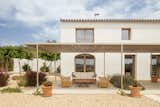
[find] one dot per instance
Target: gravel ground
(105, 100)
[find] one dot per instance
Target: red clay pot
(154, 79)
(135, 91)
(47, 91)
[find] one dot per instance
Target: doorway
(130, 65)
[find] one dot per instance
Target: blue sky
(23, 21)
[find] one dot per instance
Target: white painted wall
(105, 32)
(67, 64)
(111, 31)
(112, 64)
(33, 64)
(143, 69)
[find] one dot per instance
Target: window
(126, 33)
(85, 63)
(84, 35)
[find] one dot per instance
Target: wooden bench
(84, 77)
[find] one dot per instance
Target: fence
(53, 65)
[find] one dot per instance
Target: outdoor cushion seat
(84, 75)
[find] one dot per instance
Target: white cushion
(84, 75)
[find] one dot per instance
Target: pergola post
(37, 67)
(55, 56)
(122, 66)
(104, 64)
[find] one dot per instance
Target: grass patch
(17, 77)
(11, 90)
(22, 82)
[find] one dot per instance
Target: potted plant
(47, 89)
(135, 90)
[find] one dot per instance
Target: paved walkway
(89, 91)
(154, 97)
(151, 85)
(98, 100)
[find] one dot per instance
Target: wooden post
(104, 64)
(55, 56)
(37, 67)
(121, 66)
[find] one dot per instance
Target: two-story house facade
(103, 31)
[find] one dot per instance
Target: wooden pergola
(96, 47)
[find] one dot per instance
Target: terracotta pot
(47, 91)
(135, 91)
(154, 79)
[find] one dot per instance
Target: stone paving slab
(154, 97)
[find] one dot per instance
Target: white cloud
(8, 43)
(47, 33)
(38, 13)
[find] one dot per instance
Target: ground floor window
(130, 65)
(84, 63)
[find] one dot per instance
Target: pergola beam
(127, 48)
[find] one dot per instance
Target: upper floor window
(84, 35)
(126, 33)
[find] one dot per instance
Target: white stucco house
(137, 64)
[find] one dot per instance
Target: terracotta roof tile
(111, 20)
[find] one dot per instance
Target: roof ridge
(109, 20)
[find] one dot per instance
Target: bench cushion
(84, 75)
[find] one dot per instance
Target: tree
(29, 57)
(1, 58)
(7, 53)
(50, 57)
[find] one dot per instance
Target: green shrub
(3, 79)
(47, 83)
(44, 68)
(22, 82)
(10, 65)
(11, 90)
(58, 69)
(26, 67)
(31, 78)
(17, 77)
(127, 80)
